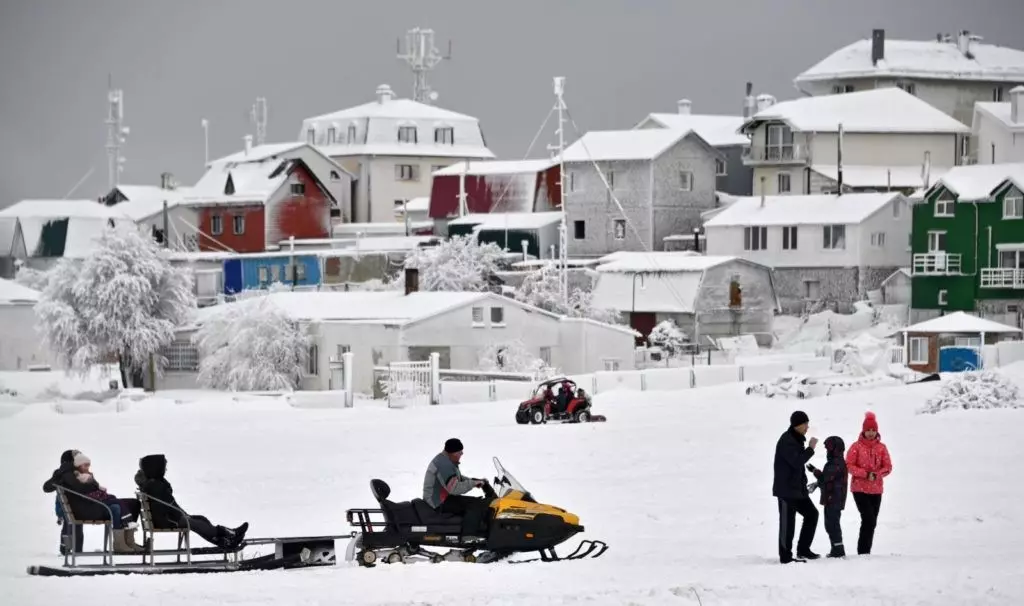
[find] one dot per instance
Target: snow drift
(973, 390)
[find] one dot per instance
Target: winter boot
(838, 551)
(121, 545)
(807, 555)
(129, 539)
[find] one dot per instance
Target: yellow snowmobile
(403, 532)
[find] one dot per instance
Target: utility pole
(563, 236)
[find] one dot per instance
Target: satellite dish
(433, 95)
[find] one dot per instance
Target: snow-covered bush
(30, 277)
(513, 356)
(668, 336)
(542, 288)
(378, 285)
(460, 264)
(121, 303)
(252, 345)
(975, 389)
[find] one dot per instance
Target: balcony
(1002, 277)
(784, 154)
(935, 264)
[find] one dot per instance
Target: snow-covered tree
(668, 336)
(513, 356)
(251, 345)
(30, 277)
(542, 288)
(121, 303)
(457, 265)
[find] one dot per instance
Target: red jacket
(866, 456)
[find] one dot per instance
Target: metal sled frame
(71, 553)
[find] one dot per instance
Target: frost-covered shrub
(460, 264)
(975, 389)
(30, 277)
(252, 345)
(542, 288)
(513, 357)
(668, 336)
(122, 303)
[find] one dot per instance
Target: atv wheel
(537, 416)
(436, 558)
(394, 558)
(750, 390)
(469, 558)
(367, 558)
(800, 395)
(583, 416)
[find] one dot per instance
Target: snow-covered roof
(815, 209)
(62, 209)
(8, 231)
(1001, 113)
(262, 152)
(879, 176)
(253, 182)
(880, 110)
(719, 131)
(497, 167)
(405, 109)
(930, 59)
(958, 322)
(977, 182)
(86, 220)
(500, 221)
(12, 293)
(660, 261)
(144, 201)
(903, 271)
(612, 145)
(418, 205)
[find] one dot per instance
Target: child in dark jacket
(832, 480)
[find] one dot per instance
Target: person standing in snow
(789, 487)
(833, 482)
(868, 461)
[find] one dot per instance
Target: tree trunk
(122, 366)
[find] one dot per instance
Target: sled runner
(411, 531)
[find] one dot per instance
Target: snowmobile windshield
(507, 483)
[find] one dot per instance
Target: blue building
(249, 272)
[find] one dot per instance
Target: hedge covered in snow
(973, 390)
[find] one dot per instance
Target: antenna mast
(422, 56)
(563, 238)
(117, 133)
(258, 116)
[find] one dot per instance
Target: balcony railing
(783, 154)
(936, 263)
(1002, 277)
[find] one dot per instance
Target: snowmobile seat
(438, 521)
(413, 513)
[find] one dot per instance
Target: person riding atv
(444, 489)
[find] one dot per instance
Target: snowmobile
(789, 384)
(542, 406)
(516, 523)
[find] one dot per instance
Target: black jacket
(150, 480)
(64, 476)
(67, 461)
(833, 479)
(790, 481)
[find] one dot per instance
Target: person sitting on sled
(444, 489)
(152, 482)
(81, 479)
(832, 480)
(67, 459)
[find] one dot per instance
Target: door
(232, 276)
(642, 322)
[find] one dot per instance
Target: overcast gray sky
(181, 61)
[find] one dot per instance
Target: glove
(812, 487)
(811, 468)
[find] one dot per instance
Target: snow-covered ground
(678, 484)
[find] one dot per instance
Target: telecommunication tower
(422, 56)
(117, 134)
(258, 116)
(559, 150)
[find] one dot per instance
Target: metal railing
(936, 263)
(772, 154)
(1002, 277)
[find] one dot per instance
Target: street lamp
(696, 239)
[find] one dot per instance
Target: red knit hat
(870, 422)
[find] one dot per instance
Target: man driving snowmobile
(444, 489)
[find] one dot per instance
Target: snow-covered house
(509, 231)
(824, 249)
(415, 216)
(713, 296)
(12, 246)
(722, 133)
(896, 288)
(891, 141)
(394, 326)
(495, 186)
(144, 204)
(393, 146)
(54, 229)
(20, 345)
(630, 189)
(950, 73)
(999, 130)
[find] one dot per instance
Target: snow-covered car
(793, 385)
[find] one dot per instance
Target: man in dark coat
(790, 489)
(67, 463)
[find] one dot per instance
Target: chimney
(877, 46)
(412, 280)
(748, 101)
(764, 101)
(384, 94)
(248, 144)
(963, 43)
(1017, 104)
(684, 107)
(166, 181)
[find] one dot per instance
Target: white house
(999, 130)
(951, 73)
(393, 146)
(714, 296)
(20, 345)
(825, 249)
(53, 229)
(144, 204)
(392, 326)
(891, 140)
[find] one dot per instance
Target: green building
(967, 244)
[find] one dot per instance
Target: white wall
(884, 149)
(371, 345)
(895, 252)
(182, 222)
(988, 131)
(384, 189)
(20, 345)
(585, 346)
(810, 251)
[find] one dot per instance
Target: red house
(248, 206)
(497, 186)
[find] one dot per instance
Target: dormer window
(407, 134)
(444, 135)
(351, 134)
(332, 136)
(311, 136)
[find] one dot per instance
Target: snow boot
(838, 551)
(121, 545)
(807, 555)
(129, 539)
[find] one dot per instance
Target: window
(407, 134)
(936, 241)
(1013, 206)
(965, 150)
(720, 167)
(275, 272)
(620, 229)
(311, 136)
(407, 172)
(216, 225)
(997, 94)
(579, 230)
(967, 341)
(943, 297)
(685, 180)
(298, 189)
(299, 272)
(878, 239)
(444, 135)
(1011, 259)
(341, 350)
(313, 368)
(611, 364)
(779, 143)
(335, 176)
(182, 356)
(812, 290)
(572, 181)
(834, 237)
(498, 316)
(784, 183)
(238, 224)
(399, 206)
(896, 209)
(944, 205)
(478, 316)
(839, 89)
(918, 350)
(908, 87)
(545, 355)
(611, 178)
(332, 135)
(351, 134)
(789, 237)
(755, 238)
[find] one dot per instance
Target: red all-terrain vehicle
(557, 400)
